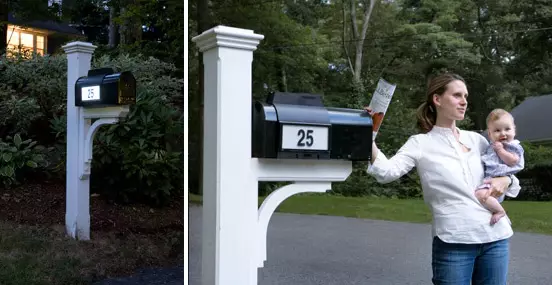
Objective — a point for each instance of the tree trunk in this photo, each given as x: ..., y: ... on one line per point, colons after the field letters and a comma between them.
x: 131, y: 30
x: 113, y: 27
x: 280, y: 67
x: 284, y: 79
x: 358, y: 38
x: 4, y: 9
x: 203, y: 24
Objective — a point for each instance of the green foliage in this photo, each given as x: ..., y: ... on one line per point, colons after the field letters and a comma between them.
x: 18, y: 157
x: 164, y: 19
x: 42, y: 78
x: 140, y: 158
x: 289, y: 57
x: 31, y: 93
x: 265, y: 188
x: 536, y: 155
x: 360, y: 184
x: 535, y: 178
x: 499, y: 46
x: 154, y: 78
x: 16, y: 112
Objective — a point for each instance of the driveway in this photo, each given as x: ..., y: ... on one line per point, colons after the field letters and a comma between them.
x: 327, y: 250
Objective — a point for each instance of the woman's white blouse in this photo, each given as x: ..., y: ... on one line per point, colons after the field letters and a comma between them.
x: 449, y: 177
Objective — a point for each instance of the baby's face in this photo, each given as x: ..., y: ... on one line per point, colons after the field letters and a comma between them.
x: 502, y: 130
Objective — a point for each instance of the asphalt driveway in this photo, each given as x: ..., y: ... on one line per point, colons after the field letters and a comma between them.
x: 326, y: 250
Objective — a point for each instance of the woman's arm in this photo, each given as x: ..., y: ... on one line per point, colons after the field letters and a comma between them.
x: 375, y: 151
x: 388, y: 170
x: 503, y: 184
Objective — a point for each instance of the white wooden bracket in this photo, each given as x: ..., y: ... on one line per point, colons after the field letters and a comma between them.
x: 104, y: 116
x: 307, y: 176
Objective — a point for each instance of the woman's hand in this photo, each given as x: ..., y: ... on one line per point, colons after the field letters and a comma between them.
x: 369, y: 111
x: 374, y: 146
x: 498, y: 185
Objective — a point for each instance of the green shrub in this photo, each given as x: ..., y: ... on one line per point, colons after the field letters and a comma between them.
x: 359, y: 183
x: 31, y: 93
x: 140, y: 158
x: 16, y: 113
x: 19, y: 158
x: 535, y: 178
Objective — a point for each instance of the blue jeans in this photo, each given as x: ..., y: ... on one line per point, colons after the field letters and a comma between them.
x: 460, y: 264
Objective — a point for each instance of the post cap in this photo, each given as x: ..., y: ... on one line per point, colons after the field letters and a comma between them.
x: 78, y: 46
x: 224, y: 36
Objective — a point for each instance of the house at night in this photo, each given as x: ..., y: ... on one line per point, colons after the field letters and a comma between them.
x: 41, y: 37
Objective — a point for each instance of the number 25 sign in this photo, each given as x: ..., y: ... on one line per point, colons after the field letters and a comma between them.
x: 90, y: 93
x: 304, y: 137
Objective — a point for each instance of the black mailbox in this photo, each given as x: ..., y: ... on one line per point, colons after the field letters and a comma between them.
x: 103, y: 87
x: 297, y: 125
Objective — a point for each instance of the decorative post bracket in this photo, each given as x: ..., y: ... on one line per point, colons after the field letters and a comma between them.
x: 104, y: 116
x: 307, y: 175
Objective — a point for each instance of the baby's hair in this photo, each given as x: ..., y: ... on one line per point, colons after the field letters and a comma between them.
x: 497, y: 114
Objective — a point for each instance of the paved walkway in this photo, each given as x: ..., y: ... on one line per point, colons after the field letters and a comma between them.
x: 150, y: 276
x: 326, y: 250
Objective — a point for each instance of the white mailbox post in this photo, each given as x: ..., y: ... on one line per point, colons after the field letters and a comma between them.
x: 234, y: 227
x: 80, y: 135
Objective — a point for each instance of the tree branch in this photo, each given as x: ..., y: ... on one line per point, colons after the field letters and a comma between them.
x: 360, y: 40
x: 343, y: 37
x: 353, y: 19
x: 366, y: 20
x: 390, y: 62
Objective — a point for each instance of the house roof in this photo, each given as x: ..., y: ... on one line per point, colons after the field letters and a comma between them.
x: 532, y: 117
x: 45, y: 25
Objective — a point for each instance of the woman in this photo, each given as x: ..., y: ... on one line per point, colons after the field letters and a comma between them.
x: 467, y: 249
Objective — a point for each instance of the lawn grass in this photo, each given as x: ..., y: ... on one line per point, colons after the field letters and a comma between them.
x: 45, y: 255
x: 35, y: 249
x: 533, y: 217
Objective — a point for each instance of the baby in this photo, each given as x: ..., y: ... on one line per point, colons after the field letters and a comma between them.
x: 503, y: 157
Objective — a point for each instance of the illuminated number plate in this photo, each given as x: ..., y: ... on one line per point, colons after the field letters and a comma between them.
x: 90, y: 93
x: 304, y: 137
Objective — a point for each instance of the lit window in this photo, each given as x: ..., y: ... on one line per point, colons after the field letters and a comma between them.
x: 13, y: 38
x: 40, y: 45
x: 25, y: 41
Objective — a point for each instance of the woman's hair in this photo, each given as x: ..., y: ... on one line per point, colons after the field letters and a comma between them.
x: 426, y: 113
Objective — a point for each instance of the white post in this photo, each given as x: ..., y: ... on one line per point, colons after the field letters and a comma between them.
x: 229, y: 183
x: 77, y: 216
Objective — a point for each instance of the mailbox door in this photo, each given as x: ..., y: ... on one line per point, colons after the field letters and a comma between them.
x: 264, y: 131
x: 351, y: 134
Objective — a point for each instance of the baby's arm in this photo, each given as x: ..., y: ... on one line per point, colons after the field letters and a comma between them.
x: 509, y: 158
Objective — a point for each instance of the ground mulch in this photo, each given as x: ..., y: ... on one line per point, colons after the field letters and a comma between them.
x: 44, y: 204
x: 153, y: 235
